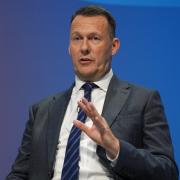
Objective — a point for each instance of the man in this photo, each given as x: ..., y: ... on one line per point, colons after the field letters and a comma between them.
x: 121, y: 132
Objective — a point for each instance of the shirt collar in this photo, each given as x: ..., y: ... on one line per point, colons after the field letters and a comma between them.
x: 103, y: 83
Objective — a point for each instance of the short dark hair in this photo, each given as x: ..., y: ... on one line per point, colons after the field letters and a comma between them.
x: 93, y: 10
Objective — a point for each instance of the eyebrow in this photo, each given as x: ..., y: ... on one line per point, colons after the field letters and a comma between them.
x: 89, y: 34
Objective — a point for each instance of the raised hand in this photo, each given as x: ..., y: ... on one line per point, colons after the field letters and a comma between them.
x: 99, y: 131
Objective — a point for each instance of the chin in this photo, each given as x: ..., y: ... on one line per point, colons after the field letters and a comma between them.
x: 85, y: 76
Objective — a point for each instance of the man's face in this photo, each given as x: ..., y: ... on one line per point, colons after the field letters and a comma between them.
x: 91, y: 47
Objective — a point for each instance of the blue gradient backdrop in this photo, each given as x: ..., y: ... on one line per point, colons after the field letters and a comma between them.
x: 34, y: 61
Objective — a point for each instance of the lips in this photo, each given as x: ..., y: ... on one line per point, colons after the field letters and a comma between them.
x: 85, y: 60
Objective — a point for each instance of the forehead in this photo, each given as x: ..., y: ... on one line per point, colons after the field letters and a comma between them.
x: 88, y: 24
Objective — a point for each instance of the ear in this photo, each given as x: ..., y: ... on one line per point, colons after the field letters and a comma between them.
x: 115, y: 45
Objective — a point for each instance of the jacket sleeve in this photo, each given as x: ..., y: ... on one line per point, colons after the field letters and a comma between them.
x: 20, y: 168
x: 154, y: 160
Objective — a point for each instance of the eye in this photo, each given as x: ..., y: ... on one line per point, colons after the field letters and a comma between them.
x: 95, y: 38
x: 76, y: 38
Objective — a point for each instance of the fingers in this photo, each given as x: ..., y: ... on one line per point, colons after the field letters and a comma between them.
x: 81, y: 126
x: 84, y: 128
x: 88, y: 108
x: 101, y: 124
x: 99, y: 132
x: 91, y: 112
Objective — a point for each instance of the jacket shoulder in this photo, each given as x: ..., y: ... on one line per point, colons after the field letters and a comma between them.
x: 43, y: 104
x: 134, y: 87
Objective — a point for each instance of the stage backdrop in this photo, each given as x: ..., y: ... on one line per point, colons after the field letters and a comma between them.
x: 34, y: 61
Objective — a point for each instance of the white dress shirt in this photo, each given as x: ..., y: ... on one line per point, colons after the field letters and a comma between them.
x: 90, y: 167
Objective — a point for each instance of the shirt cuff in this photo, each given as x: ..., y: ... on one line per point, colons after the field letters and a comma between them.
x: 113, y: 161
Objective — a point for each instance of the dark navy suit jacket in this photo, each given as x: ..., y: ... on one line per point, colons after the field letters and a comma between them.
x: 135, y: 115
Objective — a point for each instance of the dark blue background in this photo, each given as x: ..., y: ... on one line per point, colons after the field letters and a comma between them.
x: 34, y: 61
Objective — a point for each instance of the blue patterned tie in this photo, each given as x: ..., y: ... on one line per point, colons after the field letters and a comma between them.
x: 70, y: 170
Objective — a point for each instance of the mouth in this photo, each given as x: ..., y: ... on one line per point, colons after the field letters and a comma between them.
x: 85, y: 61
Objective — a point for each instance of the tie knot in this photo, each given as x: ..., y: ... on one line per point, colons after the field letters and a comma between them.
x: 88, y: 86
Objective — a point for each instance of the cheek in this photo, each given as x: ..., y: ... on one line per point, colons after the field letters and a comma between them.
x: 73, y: 55
x: 103, y: 57
x: 73, y: 50
x: 104, y: 50
x: 74, y: 62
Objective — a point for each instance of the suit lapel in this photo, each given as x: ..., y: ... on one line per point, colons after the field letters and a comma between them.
x: 117, y: 94
x: 57, y: 109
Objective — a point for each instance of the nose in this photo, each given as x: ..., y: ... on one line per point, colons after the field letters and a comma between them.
x: 85, y: 48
